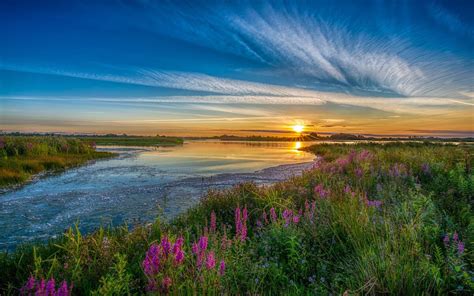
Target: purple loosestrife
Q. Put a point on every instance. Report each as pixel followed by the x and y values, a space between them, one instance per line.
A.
pixel 165 245
pixel 166 284
pixel 296 219
pixel 241 223
pixel 63 290
pixel 446 240
pixel 213 222
pixel 51 287
pixel 364 155
pixel 287 216
pixel 398 170
pixel 273 215
pixel 319 191
pixel 264 217
pixel 359 172
pixel 460 247
pixel 455 236
pixel 210 260
pixel 222 268
pixel 45 288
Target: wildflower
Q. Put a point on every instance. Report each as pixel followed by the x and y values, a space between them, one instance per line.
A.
pixel 259 224
pixel 296 219
pixel 287 216
pixel 425 168
pixel 359 172
pixel 177 245
pixel 63 290
pixel 51 287
pixel 213 221
pixel 222 268
pixel 203 243
pixel 165 245
pixel 455 236
pixel 273 215
pixel 211 260
pixel 245 214
pixel 195 248
pixel 460 247
pixel 238 221
pixel 398 170
pixel 179 257
pixel 364 155
pixel 166 283
pixel 264 216
pixel 320 191
pixel 446 240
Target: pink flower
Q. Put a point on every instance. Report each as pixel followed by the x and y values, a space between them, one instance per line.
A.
pixel 203 243
pixel 320 191
pixel 213 221
pixel 179 257
pixel 446 240
pixel 264 216
pixel 165 245
pixel 460 247
pixel 63 290
pixel 296 219
pixel 166 283
pixel 222 268
pixel 195 248
pixel 210 261
pixel 273 215
pixel 51 287
pixel 455 236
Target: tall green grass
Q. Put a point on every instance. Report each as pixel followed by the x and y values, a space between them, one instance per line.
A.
pixel 23 157
pixel 367 219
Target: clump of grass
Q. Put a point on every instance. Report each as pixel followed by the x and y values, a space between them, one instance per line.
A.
pixel 23 157
pixel 367 219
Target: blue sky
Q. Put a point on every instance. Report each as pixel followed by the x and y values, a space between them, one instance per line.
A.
pixel 178 67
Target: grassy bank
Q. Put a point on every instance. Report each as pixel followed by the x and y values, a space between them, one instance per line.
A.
pixel 117 140
pixel 23 157
pixel 367 219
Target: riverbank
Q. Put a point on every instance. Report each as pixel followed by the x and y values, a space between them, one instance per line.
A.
pixel 365 218
pixel 23 158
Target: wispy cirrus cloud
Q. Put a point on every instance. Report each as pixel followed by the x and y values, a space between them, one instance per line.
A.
pixel 323 49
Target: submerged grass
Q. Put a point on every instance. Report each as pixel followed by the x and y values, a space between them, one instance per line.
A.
pixel 366 219
pixel 23 157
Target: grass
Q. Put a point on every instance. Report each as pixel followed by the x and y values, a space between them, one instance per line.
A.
pixel 133 140
pixel 23 157
pixel 367 219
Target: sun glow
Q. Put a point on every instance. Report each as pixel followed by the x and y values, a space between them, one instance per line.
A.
pixel 298 128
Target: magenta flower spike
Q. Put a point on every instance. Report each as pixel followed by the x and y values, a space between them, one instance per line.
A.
pixel 222 268
pixel 213 222
pixel 210 260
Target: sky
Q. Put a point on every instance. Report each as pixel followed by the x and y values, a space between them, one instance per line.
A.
pixel 198 68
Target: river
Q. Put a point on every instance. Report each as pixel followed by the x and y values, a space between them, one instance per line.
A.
pixel 139 184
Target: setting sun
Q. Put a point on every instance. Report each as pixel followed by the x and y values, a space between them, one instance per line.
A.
pixel 298 128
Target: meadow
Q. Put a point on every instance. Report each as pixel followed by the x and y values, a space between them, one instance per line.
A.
pixel 22 157
pixel 366 219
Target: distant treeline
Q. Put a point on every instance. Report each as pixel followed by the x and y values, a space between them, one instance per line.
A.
pixel 333 137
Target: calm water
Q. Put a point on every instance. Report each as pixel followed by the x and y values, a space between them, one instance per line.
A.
pixel 139 184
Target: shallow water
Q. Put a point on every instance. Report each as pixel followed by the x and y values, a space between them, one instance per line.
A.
pixel 139 184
